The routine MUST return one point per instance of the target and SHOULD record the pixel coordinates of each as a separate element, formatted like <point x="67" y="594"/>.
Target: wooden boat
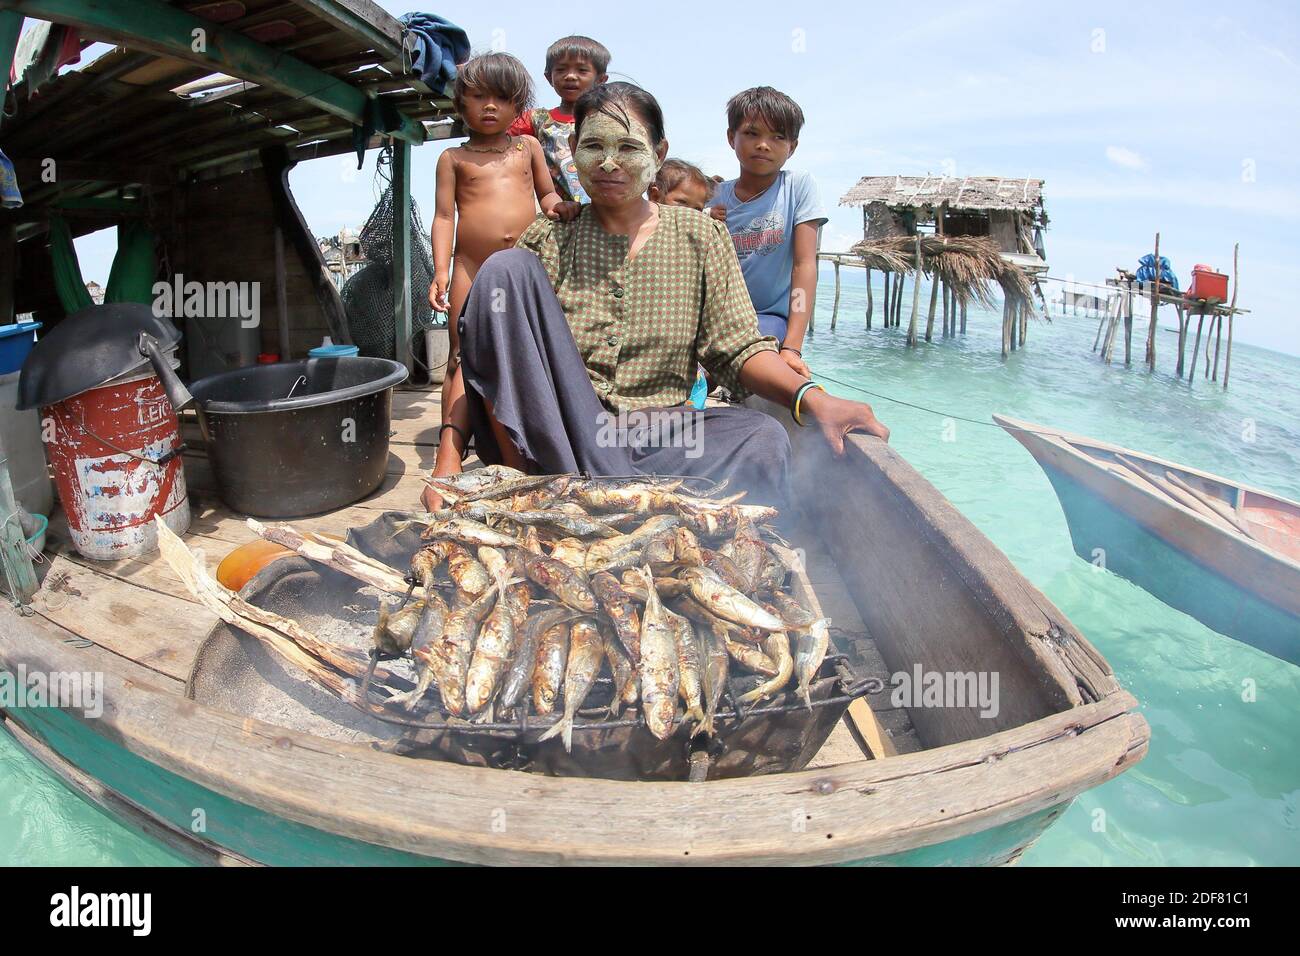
<point x="908" y="581"/>
<point x="1223" y="552"/>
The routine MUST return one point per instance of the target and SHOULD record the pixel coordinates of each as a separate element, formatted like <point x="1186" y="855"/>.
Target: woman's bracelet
<point x="787" y="348"/>
<point x="798" y="400"/>
<point x="464" y="437"/>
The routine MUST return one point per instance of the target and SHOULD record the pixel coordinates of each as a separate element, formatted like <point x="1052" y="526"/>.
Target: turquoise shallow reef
<point x="1221" y="783"/>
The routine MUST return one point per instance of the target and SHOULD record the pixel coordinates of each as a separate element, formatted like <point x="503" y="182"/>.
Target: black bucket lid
<point x="88" y="348"/>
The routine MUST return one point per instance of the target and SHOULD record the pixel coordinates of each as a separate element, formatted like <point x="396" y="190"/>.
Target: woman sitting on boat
<point x="579" y="346"/>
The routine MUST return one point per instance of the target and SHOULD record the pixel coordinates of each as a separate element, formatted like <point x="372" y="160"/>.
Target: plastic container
<point x="1208" y="284"/>
<point x="437" y="349"/>
<point x="20" y="443"/>
<point x="327" y="349"/>
<point x="298" y="438"/>
<point x="15" y="342"/>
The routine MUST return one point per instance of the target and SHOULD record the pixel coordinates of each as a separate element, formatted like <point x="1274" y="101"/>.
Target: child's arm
<point x="543" y="185"/>
<point x="444" y="231"/>
<point x="803" y="290"/>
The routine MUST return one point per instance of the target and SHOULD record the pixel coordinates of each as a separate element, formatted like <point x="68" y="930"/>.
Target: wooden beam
<point x="168" y="31"/>
<point x="835" y="309"/>
<point x="365" y="20"/>
<point x="916" y="294"/>
<point x="76" y="171"/>
<point x="402" y="311"/>
<point x="869" y="302"/>
<point x="1155" y="303"/>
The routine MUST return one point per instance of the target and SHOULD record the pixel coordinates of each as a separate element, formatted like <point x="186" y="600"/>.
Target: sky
<point x="1140" y="117"/>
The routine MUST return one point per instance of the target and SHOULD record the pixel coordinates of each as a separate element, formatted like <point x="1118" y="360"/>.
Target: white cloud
<point x="1122" y="156"/>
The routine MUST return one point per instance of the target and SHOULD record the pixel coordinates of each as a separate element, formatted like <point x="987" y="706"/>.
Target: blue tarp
<point x="1147" y="271"/>
<point x="440" y="46"/>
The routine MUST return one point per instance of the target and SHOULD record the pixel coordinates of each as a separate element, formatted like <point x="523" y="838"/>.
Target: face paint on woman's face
<point x="615" y="164"/>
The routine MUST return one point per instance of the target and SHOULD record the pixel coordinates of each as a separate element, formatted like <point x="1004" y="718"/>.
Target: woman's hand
<point x="795" y="361"/>
<point x="438" y="294"/>
<point x="836" y="417"/>
<point x="564" y="211"/>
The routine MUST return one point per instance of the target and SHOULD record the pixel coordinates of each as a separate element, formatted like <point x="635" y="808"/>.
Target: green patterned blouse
<point x="642" y="326"/>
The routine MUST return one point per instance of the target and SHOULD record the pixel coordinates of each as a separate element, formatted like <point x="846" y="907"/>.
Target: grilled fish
<point x="777" y="647"/>
<point x="689" y="668"/>
<point x="715" y="665"/>
<point x="810" y="650"/>
<point x="466" y="570"/>
<point x="493" y="649"/>
<point x="467" y="531"/>
<point x="449" y="654"/>
<point x="618" y="607"/>
<point x="622" y="672"/>
<point x="586" y="652"/>
<point x="660" y="677"/>
<point x="727" y="602"/>
<point x="519" y="676"/>
<point x="566" y="583"/>
<point x="548" y="673"/>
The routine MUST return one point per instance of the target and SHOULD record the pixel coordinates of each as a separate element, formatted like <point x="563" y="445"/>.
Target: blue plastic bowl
<point x="15" y="342"/>
<point x="334" y="351"/>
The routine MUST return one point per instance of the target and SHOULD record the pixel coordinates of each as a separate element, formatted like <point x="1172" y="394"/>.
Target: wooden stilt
<point x="1209" y="335"/>
<point x="869" y="302"/>
<point x="963" y="316"/>
<point x="1127" y="305"/>
<point x="1006" y="327"/>
<point x="1183" y="323"/>
<point x="1218" y="340"/>
<point x="1024" y="322"/>
<point x="1232" y="306"/>
<point x="1155" y="303"/>
<point x="1196" y="349"/>
<point x="1101" y="326"/>
<point x="898" y="298"/>
<point x="1108" y="340"/>
<point x="934" y="301"/>
<point x="835" y="307"/>
<point x="886" y="302"/>
<point x="916" y="295"/>
<point x="943" y="292"/>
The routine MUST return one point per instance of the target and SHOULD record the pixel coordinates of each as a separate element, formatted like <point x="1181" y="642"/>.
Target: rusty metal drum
<point x="116" y="455"/>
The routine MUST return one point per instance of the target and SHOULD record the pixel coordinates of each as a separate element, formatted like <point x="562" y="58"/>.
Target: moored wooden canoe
<point x="932" y="592"/>
<point x="1219" y="550"/>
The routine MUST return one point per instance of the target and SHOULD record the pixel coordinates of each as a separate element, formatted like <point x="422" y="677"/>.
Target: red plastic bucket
<point x="105" y="447"/>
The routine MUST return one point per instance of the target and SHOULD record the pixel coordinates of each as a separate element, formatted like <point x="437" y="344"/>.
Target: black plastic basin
<point x="298" y="438"/>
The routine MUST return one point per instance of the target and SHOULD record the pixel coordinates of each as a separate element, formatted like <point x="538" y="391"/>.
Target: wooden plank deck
<point x="136" y="616"/>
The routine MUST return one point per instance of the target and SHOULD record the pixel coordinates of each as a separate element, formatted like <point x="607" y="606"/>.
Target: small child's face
<point x="686" y="193"/>
<point x="486" y="112"/>
<point x="572" y="76"/>
<point x="762" y="151"/>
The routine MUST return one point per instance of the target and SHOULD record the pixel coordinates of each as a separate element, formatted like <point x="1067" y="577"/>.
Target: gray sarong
<point x="518" y="353"/>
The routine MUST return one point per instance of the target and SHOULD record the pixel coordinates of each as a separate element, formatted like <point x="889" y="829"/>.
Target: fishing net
<point x="368" y="294"/>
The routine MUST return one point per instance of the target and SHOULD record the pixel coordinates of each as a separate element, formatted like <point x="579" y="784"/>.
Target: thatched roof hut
<point x="964" y="232"/>
<point x="1009" y="211"/>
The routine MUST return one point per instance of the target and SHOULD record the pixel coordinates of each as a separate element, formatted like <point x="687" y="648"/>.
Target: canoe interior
<point x="907" y="581"/>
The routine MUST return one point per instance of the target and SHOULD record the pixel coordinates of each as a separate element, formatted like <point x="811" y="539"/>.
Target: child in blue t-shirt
<point x="774" y="216"/>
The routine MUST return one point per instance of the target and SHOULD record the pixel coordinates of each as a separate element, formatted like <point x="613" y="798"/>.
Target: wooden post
<point x="11" y="26"/>
<point x="1218" y="340"/>
<point x="869" y="302"/>
<point x="1196" y="349"/>
<point x="896" y="300"/>
<point x="281" y="295"/>
<point x="402" y="310"/>
<point x="835" y="308"/>
<point x="21" y="575"/>
<point x="1155" y="302"/>
<point x="1232" y="314"/>
<point x="8" y="269"/>
<point x="1024" y="323"/>
<point x="885" y="301"/>
<point x="916" y="295"/>
<point x="1206" y="373"/>
<point x="963" y="316"/>
<point x="1108" y="340"/>
<point x="934" y="300"/>
<point x="943" y="292"/>
<point x="1127" y="305"/>
<point x="1183" y="325"/>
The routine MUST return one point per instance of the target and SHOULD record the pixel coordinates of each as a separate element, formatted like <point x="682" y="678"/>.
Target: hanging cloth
<point x="10" y="196"/>
<point x="134" y="266"/>
<point x="131" y="278"/>
<point x="67" y="271"/>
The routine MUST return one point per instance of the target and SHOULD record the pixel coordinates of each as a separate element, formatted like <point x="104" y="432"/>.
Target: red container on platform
<point x="1208" y="284"/>
<point x="103" y="445"/>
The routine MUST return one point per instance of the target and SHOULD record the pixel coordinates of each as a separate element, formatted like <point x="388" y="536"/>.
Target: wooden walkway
<point x="136" y="617"/>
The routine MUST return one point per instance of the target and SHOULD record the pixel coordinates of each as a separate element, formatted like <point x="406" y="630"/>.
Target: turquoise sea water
<point x="1221" y="783"/>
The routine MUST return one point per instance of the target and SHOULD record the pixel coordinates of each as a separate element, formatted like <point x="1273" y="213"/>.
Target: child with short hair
<point x="486" y="188"/>
<point x="574" y="64"/>
<point x="774" y="216"/>
<point x="680" y="183"/>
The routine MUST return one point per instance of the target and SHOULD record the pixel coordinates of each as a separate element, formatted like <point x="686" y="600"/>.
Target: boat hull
<point x="1225" y="581"/>
<point x="1102" y="532"/>
<point x="207" y="827"/>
